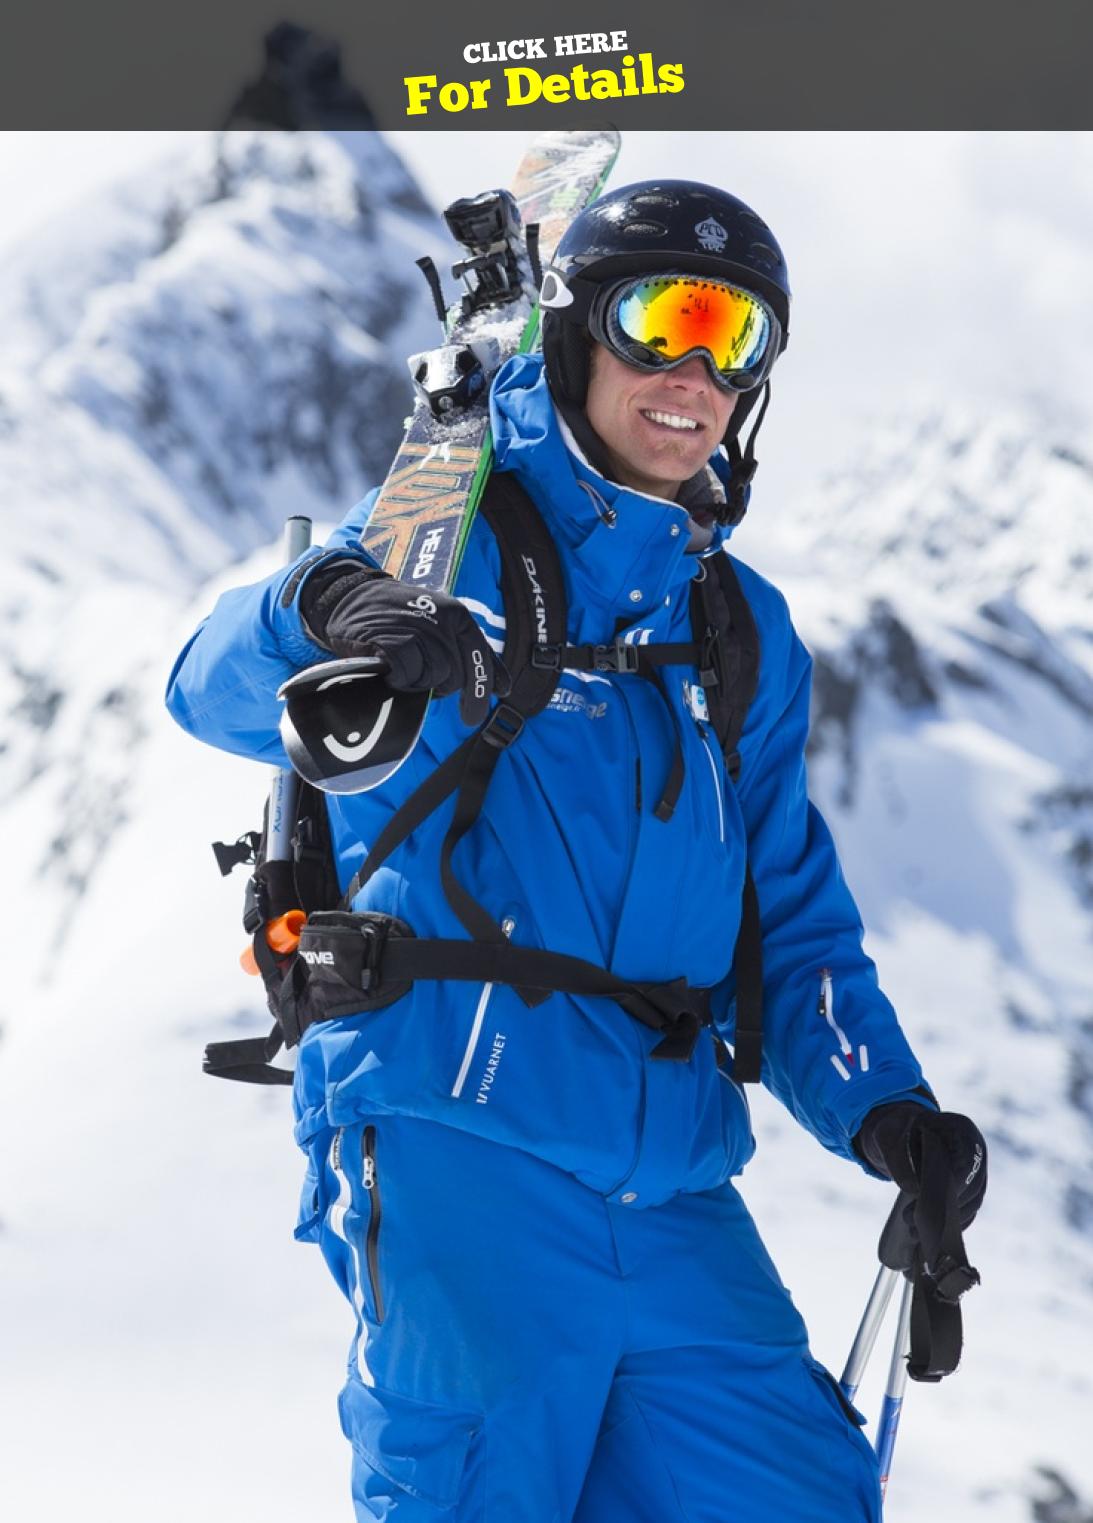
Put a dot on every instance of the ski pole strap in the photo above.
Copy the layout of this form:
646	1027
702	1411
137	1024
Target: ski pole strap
940	1272
937	1219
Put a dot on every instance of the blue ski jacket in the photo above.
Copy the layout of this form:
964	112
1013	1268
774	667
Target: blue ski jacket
568	855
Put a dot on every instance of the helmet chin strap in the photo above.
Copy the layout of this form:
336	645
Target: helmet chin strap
743	465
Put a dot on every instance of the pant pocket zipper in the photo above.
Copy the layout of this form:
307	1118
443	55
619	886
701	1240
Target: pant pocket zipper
372	1238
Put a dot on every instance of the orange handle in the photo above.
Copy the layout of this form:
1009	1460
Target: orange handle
283	936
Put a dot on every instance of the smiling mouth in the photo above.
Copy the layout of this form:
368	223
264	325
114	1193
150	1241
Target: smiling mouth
673	420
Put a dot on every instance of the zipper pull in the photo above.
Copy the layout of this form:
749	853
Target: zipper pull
369	1172
825	994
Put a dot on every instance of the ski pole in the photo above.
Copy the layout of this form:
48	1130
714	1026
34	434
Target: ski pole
892	1405
860	1351
866	1336
282	930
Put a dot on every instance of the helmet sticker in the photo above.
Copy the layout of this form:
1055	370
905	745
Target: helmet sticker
711	235
555	293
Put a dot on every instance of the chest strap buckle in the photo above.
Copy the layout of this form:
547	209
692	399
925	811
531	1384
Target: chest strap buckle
619	657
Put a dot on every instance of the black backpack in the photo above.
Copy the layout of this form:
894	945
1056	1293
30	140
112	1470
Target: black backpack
347	963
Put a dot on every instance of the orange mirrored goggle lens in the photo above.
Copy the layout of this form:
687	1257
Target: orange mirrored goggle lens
671	316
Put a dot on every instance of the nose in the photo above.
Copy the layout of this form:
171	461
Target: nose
692	375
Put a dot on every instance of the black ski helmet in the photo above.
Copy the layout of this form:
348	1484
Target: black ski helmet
637	230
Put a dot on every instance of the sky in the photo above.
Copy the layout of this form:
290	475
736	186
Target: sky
926	267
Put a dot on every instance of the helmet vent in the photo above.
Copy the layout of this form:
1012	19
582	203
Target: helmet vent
645	230
762	253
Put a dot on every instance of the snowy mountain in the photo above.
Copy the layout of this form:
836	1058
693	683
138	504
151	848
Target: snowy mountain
227	346
947	596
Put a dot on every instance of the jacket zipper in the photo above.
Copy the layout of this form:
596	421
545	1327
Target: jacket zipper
716	783
827	1011
372	1240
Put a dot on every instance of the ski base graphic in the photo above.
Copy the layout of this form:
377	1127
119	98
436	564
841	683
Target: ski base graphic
344	730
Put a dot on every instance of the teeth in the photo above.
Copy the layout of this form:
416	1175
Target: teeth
670	419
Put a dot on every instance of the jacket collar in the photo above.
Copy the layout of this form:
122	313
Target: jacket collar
626	551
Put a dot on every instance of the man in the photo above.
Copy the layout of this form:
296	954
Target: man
563	1308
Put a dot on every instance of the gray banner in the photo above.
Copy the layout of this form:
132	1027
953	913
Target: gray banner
792	64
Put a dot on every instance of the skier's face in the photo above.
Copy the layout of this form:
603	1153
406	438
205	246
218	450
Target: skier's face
659	427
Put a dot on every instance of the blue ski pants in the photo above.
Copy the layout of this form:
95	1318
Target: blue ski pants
527	1352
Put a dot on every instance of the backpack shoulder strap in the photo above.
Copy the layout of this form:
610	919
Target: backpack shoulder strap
724	622
732	640
532	590
533	594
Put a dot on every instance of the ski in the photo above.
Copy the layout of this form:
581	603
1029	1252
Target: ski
343	729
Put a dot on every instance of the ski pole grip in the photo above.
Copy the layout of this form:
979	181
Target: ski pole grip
297	536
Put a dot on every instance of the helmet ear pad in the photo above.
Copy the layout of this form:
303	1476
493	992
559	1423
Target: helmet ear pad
567	351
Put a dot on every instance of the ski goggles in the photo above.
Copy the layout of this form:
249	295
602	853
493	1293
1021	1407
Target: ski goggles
659	321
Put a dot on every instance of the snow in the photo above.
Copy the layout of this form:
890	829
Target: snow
168	1347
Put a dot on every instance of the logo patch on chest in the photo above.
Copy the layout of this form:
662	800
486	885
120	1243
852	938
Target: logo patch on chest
566	701
694	696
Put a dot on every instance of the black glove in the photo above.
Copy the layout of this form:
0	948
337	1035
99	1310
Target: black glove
428	640
929	1155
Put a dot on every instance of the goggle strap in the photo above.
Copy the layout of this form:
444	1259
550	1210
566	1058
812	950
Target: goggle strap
583	292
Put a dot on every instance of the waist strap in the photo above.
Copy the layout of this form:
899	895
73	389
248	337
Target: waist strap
350	964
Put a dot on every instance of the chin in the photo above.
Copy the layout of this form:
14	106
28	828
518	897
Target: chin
675	467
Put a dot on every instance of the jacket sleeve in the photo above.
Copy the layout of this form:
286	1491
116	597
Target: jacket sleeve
223	689
832	1045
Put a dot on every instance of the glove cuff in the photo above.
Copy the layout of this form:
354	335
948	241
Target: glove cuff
883	1133
324	589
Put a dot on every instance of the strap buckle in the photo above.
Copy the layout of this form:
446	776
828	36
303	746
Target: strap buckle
374	936
619	657
546	658
504	726
255	906
951	1278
